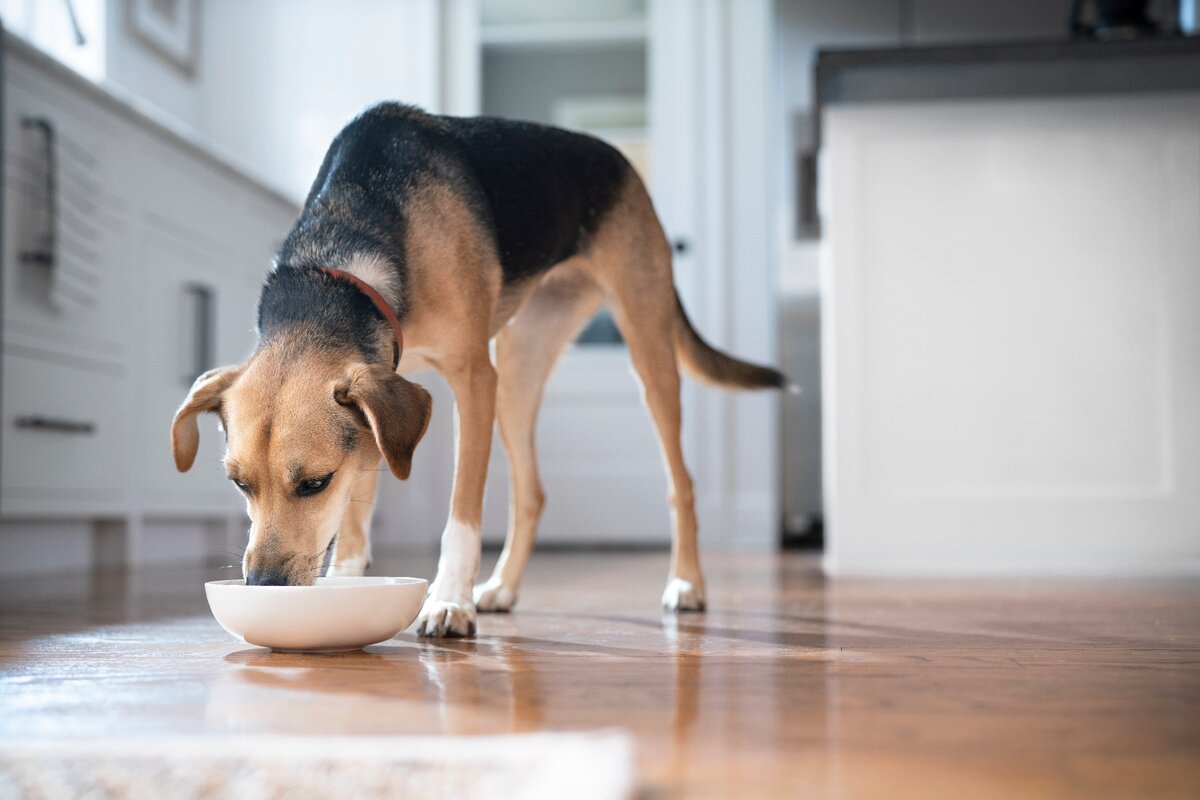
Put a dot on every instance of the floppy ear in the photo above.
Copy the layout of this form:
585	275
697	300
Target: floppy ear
204	396
396	410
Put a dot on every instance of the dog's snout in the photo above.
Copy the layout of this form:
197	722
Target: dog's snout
266	578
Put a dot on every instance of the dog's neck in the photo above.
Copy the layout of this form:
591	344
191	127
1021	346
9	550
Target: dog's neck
328	309
380	303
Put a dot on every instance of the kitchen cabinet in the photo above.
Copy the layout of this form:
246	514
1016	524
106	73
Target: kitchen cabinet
132	257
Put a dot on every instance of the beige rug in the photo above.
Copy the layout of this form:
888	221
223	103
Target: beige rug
549	766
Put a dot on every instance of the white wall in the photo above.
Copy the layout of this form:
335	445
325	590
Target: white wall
132	66
279	78
276	79
48	26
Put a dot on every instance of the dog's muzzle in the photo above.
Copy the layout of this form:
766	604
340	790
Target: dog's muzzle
266	578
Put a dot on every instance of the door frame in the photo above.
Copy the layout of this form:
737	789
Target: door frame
711	86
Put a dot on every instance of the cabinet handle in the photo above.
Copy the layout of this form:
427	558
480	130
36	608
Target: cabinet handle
808	216
199	359
56	424
45	255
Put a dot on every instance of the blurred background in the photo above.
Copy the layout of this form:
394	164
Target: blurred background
969	230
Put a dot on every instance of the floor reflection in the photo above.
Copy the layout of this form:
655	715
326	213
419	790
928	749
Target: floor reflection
790	685
499	684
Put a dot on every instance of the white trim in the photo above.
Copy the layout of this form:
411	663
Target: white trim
461	58
523	35
1084	567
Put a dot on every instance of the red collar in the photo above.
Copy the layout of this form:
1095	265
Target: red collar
379	302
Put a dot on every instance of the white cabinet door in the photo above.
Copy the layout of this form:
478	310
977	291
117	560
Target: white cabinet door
1012	372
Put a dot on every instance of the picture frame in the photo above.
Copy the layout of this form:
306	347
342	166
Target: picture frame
167	27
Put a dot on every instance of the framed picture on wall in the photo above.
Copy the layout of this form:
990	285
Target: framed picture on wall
168	27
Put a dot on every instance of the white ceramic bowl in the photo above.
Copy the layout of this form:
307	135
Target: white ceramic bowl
335	614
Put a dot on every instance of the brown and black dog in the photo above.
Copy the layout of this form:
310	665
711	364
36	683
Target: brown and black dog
423	239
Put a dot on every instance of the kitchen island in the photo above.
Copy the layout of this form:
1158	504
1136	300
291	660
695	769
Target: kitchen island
1011	308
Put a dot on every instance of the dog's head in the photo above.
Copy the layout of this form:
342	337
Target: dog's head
300	428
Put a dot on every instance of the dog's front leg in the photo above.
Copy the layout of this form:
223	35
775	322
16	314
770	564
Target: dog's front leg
449	609
352	549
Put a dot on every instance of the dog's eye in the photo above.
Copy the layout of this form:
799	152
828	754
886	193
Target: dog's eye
313	485
240	485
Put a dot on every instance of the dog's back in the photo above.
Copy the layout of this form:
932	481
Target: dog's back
541	191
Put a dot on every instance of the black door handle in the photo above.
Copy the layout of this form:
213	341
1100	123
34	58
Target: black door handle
44	251
55	424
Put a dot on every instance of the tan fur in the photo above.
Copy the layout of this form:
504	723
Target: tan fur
629	264
396	410
456	306
281	412
632	259
352	552
526	351
205	396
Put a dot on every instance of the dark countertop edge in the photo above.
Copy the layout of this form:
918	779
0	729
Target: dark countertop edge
149	117
994	71
995	52
1004	70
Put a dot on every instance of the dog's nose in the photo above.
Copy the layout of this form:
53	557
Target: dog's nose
266	578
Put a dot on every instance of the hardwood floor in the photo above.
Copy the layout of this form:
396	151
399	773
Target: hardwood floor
790	686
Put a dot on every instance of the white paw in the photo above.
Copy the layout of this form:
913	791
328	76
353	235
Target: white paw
681	596
442	618
493	595
353	567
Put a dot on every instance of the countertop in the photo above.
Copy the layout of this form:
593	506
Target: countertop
1019	69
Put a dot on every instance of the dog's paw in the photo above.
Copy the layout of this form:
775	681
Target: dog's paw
442	618
682	596
354	567
493	595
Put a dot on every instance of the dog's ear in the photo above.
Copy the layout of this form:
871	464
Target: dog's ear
396	410
205	396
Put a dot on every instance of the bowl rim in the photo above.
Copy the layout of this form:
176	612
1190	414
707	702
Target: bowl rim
344	582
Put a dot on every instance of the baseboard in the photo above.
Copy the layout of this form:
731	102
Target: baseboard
835	567
37	548
30	548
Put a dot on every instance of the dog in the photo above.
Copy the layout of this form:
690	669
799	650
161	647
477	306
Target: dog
424	239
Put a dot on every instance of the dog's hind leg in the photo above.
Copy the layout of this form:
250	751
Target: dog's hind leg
526	351
653	356
633	261
352	552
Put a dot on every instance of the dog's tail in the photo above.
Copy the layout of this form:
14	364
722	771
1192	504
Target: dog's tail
707	364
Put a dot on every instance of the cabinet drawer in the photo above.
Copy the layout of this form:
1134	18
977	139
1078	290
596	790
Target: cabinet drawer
65	439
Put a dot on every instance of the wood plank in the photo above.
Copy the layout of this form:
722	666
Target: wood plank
791	684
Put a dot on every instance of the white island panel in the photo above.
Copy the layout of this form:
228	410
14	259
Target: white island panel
1013	335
